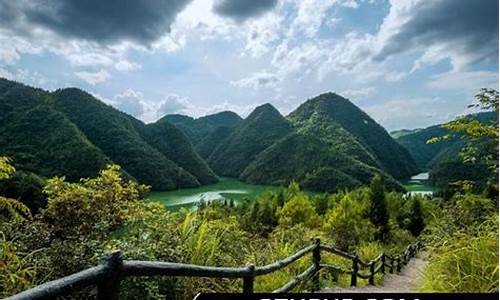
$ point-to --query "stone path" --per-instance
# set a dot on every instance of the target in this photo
(408, 280)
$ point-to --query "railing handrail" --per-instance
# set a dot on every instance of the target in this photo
(102, 275)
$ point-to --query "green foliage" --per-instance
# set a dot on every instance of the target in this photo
(416, 217)
(91, 207)
(10, 207)
(26, 187)
(311, 162)
(298, 210)
(378, 207)
(346, 223)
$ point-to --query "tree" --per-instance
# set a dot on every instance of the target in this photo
(296, 210)
(10, 207)
(378, 207)
(416, 217)
(482, 145)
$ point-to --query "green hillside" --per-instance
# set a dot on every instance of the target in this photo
(44, 140)
(208, 144)
(41, 139)
(264, 126)
(313, 163)
(69, 132)
(391, 157)
(426, 154)
(172, 143)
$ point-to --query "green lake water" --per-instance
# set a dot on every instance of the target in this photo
(230, 188)
(226, 188)
(419, 184)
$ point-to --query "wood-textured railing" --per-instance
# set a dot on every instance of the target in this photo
(108, 275)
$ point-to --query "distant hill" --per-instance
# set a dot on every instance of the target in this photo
(198, 129)
(314, 146)
(442, 160)
(402, 132)
(264, 126)
(424, 154)
(69, 132)
(172, 143)
(389, 155)
(206, 132)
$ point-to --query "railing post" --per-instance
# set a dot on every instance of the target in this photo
(316, 257)
(391, 269)
(109, 289)
(355, 268)
(382, 259)
(398, 266)
(248, 280)
(371, 279)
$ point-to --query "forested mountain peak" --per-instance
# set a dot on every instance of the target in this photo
(390, 156)
(263, 126)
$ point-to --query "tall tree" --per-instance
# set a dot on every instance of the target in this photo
(378, 207)
(416, 217)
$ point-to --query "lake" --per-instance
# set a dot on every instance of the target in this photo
(230, 188)
(226, 188)
(419, 184)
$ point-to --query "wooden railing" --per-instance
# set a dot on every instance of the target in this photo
(113, 269)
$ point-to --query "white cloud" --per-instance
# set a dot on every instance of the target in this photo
(173, 104)
(411, 113)
(465, 81)
(258, 80)
(125, 65)
(93, 78)
(88, 59)
(131, 102)
(358, 93)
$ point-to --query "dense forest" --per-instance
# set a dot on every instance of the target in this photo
(72, 224)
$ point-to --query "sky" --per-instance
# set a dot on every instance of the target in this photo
(408, 63)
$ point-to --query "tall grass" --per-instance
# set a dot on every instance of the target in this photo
(467, 261)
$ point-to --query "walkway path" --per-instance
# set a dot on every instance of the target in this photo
(406, 281)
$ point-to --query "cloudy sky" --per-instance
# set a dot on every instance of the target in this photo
(408, 63)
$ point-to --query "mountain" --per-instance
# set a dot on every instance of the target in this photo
(264, 126)
(313, 163)
(69, 132)
(207, 132)
(30, 129)
(172, 143)
(374, 145)
(197, 129)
